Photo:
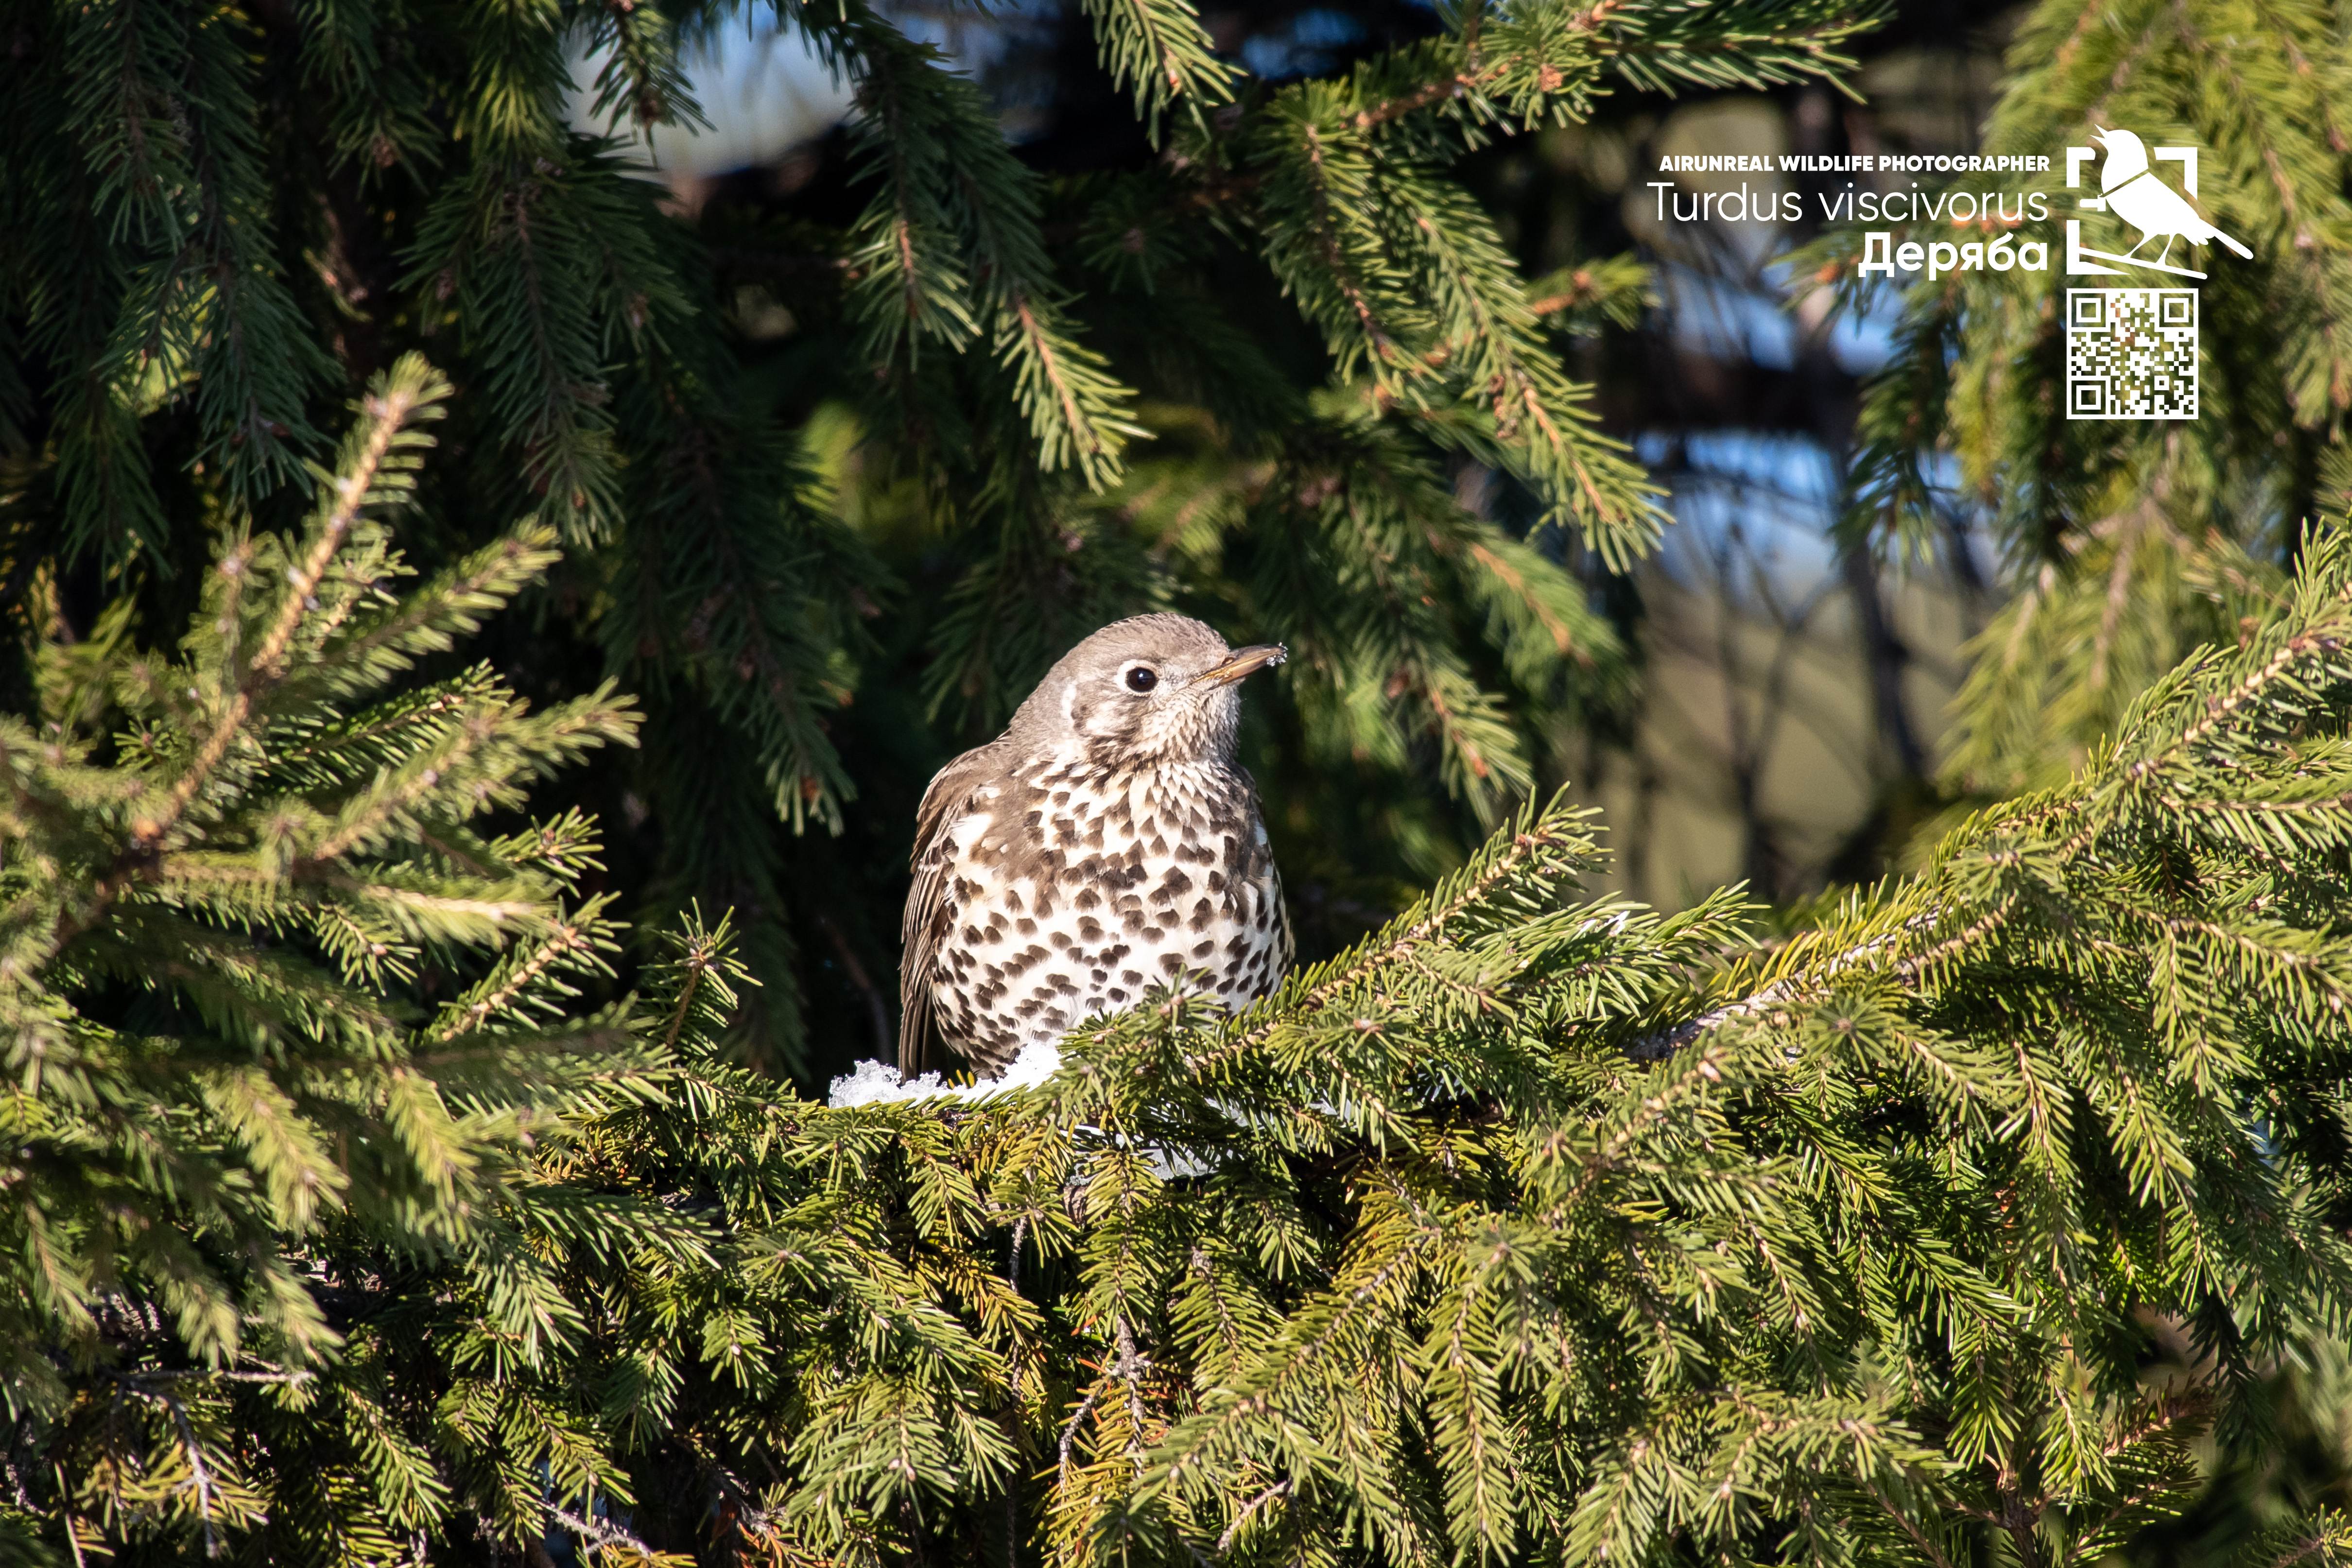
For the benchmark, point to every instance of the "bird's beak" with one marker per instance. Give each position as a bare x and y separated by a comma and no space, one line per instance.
1243,661
2099,134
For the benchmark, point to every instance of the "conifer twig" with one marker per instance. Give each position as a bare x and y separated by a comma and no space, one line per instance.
386,410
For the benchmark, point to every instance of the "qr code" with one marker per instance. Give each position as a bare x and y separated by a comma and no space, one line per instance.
2131,353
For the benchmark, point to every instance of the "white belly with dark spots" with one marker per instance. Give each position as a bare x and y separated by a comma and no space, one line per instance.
1103,899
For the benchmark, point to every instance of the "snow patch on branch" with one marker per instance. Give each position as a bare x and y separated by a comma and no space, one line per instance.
878,1083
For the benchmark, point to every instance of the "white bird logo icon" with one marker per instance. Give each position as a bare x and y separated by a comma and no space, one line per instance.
2133,193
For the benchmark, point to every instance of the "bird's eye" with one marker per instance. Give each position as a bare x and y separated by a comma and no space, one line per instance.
1142,678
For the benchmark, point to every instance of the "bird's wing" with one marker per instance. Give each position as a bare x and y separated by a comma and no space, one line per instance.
921,1047
1285,940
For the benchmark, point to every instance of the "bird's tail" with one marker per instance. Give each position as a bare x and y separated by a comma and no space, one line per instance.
2243,253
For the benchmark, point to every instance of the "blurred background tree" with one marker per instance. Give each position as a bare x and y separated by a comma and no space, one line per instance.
2122,544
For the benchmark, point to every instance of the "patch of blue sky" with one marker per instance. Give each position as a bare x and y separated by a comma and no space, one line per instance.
1778,494
766,91
1311,45
763,88
1725,319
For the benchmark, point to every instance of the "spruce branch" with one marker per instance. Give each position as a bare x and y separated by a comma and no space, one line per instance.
1160,50
1552,839
278,1108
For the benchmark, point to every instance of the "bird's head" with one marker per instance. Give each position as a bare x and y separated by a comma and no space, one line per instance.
1156,688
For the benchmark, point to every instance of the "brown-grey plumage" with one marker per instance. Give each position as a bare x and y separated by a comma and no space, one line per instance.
1105,844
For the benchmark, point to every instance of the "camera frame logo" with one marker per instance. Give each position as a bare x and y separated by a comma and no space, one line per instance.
2131,353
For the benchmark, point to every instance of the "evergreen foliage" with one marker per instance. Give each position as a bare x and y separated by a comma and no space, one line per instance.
274,1003
1532,1228
376,1197
2122,546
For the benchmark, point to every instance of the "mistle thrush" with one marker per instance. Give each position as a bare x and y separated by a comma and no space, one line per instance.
1106,844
